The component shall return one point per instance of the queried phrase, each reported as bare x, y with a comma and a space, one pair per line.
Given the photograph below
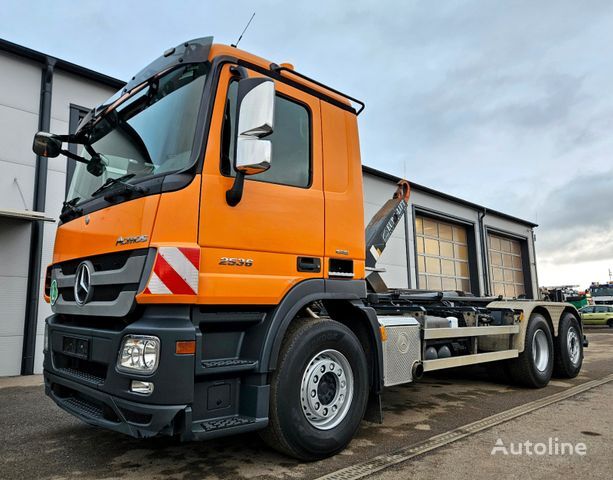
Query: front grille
114, 281
88, 377
102, 293
104, 262
80, 368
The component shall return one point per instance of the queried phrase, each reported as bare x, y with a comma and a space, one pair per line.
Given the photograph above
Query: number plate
75, 347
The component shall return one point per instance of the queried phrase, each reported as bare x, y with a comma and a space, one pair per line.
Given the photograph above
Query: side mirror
255, 113
47, 145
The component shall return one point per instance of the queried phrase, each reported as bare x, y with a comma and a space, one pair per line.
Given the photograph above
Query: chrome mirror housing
256, 106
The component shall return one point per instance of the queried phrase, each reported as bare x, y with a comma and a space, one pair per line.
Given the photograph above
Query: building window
442, 255
506, 266
291, 142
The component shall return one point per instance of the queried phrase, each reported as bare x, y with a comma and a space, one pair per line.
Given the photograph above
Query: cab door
587, 315
254, 252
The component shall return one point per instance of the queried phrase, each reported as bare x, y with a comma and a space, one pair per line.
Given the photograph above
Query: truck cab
211, 273
163, 285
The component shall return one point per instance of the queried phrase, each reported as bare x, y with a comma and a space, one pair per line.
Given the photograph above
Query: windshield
602, 291
150, 133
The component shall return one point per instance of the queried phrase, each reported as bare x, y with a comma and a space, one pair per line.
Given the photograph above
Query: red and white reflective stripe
175, 272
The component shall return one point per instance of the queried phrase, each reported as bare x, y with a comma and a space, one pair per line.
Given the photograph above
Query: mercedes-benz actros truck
212, 274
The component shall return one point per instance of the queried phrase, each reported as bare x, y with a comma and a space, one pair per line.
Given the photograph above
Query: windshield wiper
112, 181
127, 187
69, 209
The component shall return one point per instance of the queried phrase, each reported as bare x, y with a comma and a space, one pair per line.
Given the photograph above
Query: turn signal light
185, 347
383, 332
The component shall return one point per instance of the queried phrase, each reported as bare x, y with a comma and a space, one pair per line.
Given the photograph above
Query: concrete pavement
38, 440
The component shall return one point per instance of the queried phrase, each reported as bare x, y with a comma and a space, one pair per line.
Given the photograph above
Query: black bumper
100, 409
194, 396
88, 385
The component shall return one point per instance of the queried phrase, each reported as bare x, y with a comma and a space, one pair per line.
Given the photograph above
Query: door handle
309, 264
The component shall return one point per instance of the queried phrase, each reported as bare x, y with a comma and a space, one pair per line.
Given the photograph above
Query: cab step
229, 425
228, 366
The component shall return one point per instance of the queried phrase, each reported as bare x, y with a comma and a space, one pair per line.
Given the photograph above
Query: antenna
244, 30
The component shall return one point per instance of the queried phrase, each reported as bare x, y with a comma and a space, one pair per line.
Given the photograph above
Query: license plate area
75, 346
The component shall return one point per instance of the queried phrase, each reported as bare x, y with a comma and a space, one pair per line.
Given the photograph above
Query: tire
568, 356
534, 366
310, 348
610, 322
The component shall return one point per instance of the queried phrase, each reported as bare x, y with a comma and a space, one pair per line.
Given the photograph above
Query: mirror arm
240, 72
234, 195
73, 156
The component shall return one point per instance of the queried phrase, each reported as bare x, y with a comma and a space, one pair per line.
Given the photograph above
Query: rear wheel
319, 391
568, 348
534, 366
610, 322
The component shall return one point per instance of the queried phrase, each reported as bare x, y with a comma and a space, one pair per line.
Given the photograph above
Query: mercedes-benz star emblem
82, 284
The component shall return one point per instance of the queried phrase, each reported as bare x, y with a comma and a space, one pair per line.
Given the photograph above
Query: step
228, 365
226, 426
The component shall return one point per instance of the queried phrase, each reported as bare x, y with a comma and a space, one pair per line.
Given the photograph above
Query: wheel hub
326, 390
573, 345
540, 350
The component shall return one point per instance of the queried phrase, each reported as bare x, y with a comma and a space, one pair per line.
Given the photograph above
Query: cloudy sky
508, 103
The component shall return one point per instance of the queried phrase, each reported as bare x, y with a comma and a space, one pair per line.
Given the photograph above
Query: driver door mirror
255, 114
47, 145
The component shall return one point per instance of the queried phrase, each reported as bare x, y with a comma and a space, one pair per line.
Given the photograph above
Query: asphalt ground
38, 440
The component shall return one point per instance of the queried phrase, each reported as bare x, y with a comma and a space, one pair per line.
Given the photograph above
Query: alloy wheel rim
540, 350
573, 346
326, 390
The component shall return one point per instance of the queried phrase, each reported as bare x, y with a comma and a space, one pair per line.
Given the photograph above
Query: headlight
139, 354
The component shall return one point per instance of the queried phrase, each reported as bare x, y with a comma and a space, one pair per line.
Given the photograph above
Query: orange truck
212, 273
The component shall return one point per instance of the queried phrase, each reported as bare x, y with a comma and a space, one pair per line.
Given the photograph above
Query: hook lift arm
380, 229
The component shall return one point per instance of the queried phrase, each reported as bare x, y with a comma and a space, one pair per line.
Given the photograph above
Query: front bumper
90, 387
103, 410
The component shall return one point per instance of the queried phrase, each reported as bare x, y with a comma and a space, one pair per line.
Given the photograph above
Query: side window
291, 142
601, 309
587, 310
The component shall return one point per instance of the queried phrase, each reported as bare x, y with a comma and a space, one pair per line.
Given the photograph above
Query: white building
446, 242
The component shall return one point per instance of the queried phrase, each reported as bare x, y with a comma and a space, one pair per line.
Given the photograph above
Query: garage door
506, 266
442, 255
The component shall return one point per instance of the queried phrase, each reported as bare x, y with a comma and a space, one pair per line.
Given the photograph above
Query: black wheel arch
343, 302
545, 313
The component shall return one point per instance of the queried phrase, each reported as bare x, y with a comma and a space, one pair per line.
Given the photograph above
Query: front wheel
318, 392
534, 366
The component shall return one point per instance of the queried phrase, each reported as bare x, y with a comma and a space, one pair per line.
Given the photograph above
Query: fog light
139, 354
141, 387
